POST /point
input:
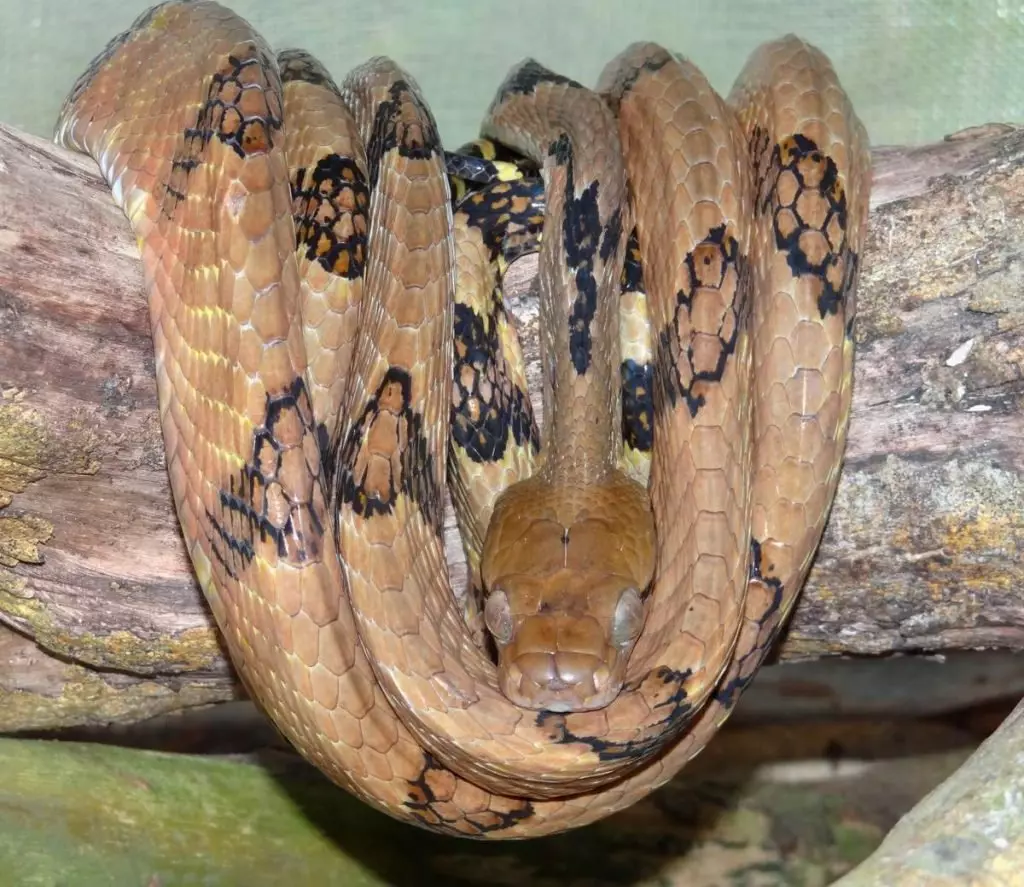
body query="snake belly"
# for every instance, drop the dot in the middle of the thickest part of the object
(300, 261)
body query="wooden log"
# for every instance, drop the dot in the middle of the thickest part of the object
(922, 551)
(969, 830)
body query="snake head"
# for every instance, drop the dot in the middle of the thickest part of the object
(566, 595)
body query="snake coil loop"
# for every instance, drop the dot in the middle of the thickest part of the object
(330, 349)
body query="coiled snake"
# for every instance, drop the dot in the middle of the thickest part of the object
(306, 272)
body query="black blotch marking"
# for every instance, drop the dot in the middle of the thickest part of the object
(757, 572)
(486, 405)
(626, 83)
(674, 711)
(299, 65)
(248, 133)
(402, 122)
(561, 150)
(406, 467)
(582, 241)
(764, 157)
(330, 204)
(637, 404)
(814, 173)
(232, 553)
(850, 292)
(637, 378)
(470, 169)
(328, 453)
(526, 77)
(427, 806)
(245, 134)
(245, 507)
(490, 149)
(745, 668)
(508, 215)
(612, 236)
(474, 163)
(671, 355)
(632, 280)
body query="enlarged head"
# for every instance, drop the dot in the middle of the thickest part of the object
(566, 571)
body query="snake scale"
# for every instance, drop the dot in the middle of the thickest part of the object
(306, 271)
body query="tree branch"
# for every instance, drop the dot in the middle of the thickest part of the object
(922, 551)
(969, 830)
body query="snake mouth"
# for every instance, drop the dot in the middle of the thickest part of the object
(559, 682)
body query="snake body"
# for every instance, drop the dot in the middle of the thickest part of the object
(306, 272)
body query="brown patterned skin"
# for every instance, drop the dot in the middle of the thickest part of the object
(330, 205)
(569, 553)
(331, 590)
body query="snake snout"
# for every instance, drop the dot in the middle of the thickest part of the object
(562, 681)
(560, 662)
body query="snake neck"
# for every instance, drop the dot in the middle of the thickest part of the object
(572, 134)
(580, 268)
(582, 253)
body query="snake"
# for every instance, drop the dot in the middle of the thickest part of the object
(331, 349)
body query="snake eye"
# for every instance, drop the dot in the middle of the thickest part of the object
(498, 617)
(628, 618)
